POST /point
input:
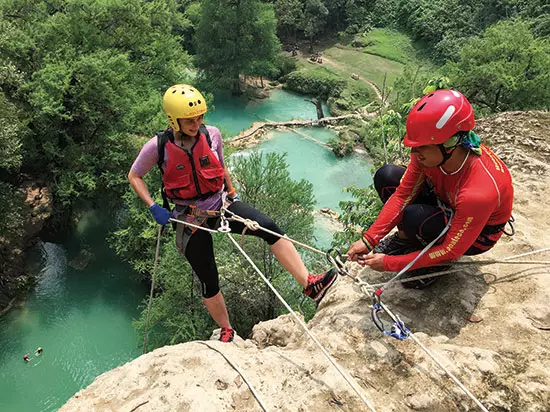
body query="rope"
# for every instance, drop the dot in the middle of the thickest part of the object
(257, 226)
(159, 232)
(349, 380)
(368, 290)
(192, 225)
(240, 373)
(506, 260)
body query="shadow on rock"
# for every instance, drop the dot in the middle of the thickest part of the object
(445, 307)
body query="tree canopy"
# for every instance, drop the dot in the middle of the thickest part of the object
(234, 38)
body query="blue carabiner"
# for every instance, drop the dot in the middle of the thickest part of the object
(398, 330)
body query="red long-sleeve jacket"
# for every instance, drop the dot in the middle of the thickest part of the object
(480, 194)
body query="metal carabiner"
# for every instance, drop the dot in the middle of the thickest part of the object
(336, 261)
(398, 329)
(224, 225)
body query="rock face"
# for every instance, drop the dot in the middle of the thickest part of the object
(13, 276)
(487, 324)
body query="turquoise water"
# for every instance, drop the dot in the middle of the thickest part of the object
(234, 114)
(82, 320)
(318, 164)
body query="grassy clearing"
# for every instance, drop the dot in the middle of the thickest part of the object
(391, 45)
(384, 53)
(357, 93)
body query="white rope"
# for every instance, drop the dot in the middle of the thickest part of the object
(350, 380)
(145, 336)
(369, 291)
(479, 262)
(250, 386)
(238, 218)
(528, 253)
(192, 225)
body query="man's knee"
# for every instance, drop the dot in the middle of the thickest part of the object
(422, 223)
(386, 179)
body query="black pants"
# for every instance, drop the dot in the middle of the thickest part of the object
(200, 250)
(423, 220)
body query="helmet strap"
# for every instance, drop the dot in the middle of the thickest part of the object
(446, 155)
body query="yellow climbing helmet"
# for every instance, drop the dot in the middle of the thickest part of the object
(183, 101)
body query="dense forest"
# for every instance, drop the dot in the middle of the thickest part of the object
(81, 84)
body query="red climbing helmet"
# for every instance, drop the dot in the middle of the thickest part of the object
(438, 116)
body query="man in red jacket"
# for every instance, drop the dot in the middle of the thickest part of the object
(450, 176)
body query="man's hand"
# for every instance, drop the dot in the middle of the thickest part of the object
(375, 261)
(357, 249)
(160, 214)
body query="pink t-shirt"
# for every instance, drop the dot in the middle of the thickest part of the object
(148, 157)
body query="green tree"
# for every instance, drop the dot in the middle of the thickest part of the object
(234, 38)
(86, 77)
(505, 69)
(315, 19)
(318, 83)
(289, 15)
(11, 201)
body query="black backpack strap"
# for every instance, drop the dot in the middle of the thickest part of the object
(204, 131)
(162, 138)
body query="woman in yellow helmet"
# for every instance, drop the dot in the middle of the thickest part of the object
(190, 156)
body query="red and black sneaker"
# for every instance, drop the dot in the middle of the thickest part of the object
(318, 285)
(227, 335)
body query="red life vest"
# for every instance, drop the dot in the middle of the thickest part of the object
(194, 174)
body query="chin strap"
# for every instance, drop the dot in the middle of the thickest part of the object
(446, 155)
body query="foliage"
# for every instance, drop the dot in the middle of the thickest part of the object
(235, 38)
(357, 215)
(289, 14)
(318, 83)
(315, 18)
(284, 65)
(343, 144)
(89, 76)
(11, 132)
(505, 69)
(11, 199)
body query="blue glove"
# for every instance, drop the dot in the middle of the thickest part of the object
(232, 196)
(160, 214)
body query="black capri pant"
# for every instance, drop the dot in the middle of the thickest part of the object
(199, 250)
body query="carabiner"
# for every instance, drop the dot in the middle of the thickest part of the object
(398, 329)
(224, 226)
(336, 261)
